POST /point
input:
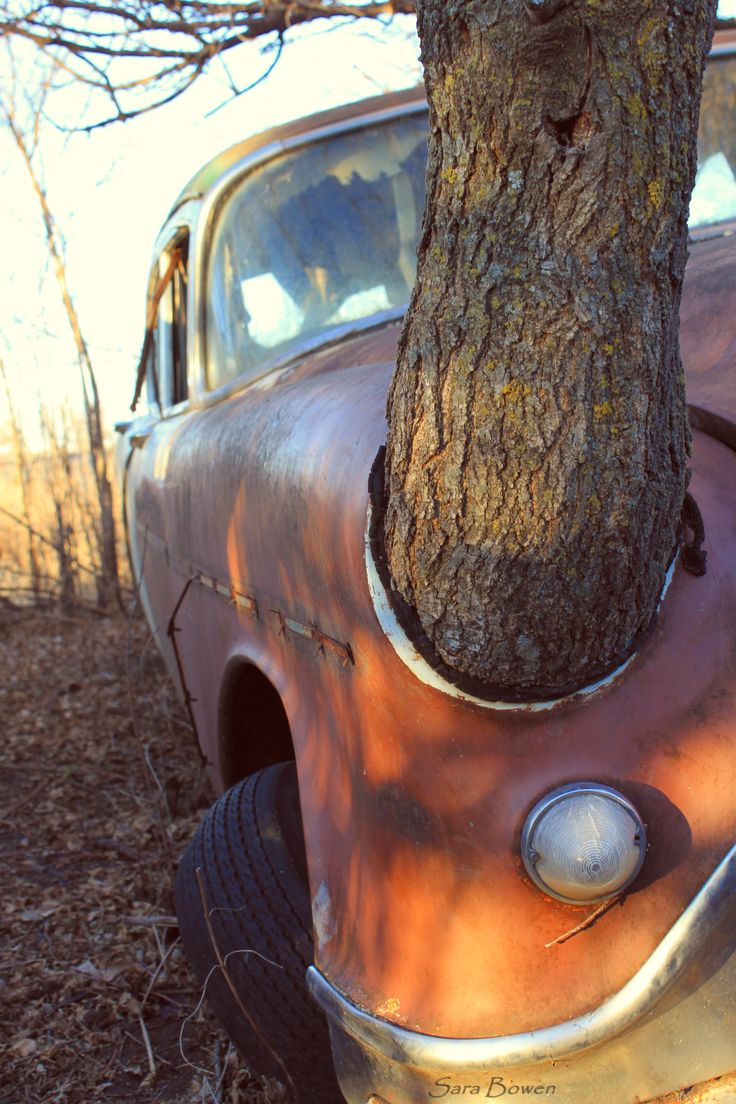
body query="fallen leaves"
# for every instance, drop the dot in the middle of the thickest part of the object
(94, 985)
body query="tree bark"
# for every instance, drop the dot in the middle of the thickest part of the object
(538, 438)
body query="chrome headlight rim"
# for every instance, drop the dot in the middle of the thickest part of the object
(554, 797)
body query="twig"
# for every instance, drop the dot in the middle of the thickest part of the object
(586, 923)
(185, 1021)
(154, 775)
(158, 995)
(222, 963)
(152, 921)
(45, 540)
(149, 1048)
(171, 632)
(5, 819)
(139, 1042)
(159, 944)
(225, 1060)
(158, 970)
(217, 1061)
(254, 84)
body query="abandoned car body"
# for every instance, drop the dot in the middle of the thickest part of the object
(449, 960)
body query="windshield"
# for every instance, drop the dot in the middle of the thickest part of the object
(315, 239)
(714, 194)
(326, 236)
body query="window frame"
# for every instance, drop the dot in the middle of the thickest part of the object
(212, 206)
(168, 280)
(203, 209)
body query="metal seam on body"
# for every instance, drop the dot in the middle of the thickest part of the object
(238, 597)
(621, 1011)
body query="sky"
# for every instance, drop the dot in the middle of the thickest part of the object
(111, 191)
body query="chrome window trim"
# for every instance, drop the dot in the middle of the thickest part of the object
(638, 996)
(722, 49)
(183, 221)
(202, 247)
(281, 365)
(177, 409)
(202, 210)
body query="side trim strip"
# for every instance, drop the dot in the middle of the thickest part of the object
(678, 948)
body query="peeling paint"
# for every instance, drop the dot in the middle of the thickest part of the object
(323, 917)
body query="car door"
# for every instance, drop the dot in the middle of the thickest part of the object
(161, 405)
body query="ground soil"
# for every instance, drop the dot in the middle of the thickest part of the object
(100, 790)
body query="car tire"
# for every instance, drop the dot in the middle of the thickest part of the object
(248, 854)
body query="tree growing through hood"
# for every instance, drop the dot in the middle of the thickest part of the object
(537, 448)
(538, 434)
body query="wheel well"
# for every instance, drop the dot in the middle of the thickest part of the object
(253, 729)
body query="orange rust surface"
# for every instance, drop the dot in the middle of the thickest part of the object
(414, 800)
(415, 811)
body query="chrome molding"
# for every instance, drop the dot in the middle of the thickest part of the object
(723, 49)
(676, 951)
(209, 210)
(270, 371)
(425, 672)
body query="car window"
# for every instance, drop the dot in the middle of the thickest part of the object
(312, 240)
(327, 235)
(714, 194)
(171, 333)
(164, 356)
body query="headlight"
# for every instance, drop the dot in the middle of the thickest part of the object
(583, 842)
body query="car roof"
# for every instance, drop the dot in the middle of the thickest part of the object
(724, 43)
(286, 134)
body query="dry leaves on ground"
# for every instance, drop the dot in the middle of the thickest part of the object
(100, 789)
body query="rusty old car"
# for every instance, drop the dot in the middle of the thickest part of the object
(384, 904)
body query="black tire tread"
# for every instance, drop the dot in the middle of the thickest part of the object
(260, 903)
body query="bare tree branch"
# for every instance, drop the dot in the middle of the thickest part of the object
(108, 580)
(170, 42)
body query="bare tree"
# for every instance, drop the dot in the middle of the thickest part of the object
(60, 482)
(59, 515)
(23, 470)
(27, 144)
(168, 45)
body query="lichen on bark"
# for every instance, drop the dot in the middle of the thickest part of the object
(537, 447)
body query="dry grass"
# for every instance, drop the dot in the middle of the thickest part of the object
(100, 788)
(62, 505)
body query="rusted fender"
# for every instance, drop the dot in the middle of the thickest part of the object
(414, 799)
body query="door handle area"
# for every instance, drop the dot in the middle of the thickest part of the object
(138, 437)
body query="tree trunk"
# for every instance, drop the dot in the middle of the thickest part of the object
(108, 579)
(536, 460)
(23, 469)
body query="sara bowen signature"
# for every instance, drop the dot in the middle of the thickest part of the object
(496, 1087)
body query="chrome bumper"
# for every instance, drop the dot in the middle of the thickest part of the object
(672, 1026)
